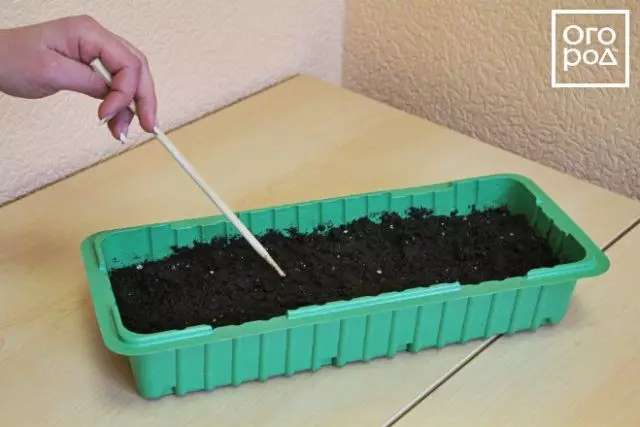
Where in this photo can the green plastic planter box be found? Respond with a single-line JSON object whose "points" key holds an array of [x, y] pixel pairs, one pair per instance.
{"points": [[204, 358]]}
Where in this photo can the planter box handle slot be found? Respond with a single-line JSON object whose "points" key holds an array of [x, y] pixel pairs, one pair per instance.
{"points": [[380, 300]]}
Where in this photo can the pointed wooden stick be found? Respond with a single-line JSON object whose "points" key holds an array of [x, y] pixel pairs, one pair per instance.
{"points": [[97, 65]]}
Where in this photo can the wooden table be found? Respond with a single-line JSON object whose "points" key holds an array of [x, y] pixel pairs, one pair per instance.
{"points": [[300, 140]]}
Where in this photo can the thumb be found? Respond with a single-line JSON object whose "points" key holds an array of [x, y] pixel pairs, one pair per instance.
{"points": [[77, 77]]}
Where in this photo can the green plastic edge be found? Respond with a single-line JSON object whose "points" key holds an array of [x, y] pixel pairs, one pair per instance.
{"points": [[121, 341]]}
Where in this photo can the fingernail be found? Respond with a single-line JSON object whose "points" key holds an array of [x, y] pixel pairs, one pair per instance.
{"points": [[105, 119], [123, 136]]}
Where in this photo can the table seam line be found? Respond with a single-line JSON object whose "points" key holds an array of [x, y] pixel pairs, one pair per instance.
{"points": [[629, 228]]}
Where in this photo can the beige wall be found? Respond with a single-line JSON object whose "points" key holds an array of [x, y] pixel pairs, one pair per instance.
{"points": [[204, 54], [482, 67]]}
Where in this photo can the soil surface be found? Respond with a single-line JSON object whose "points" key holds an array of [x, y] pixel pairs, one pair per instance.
{"points": [[224, 282]]}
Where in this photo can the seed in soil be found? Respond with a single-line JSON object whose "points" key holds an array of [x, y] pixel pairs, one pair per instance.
{"points": [[412, 253]]}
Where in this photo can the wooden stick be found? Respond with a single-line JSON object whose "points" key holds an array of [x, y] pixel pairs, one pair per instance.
{"points": [[97, 65]]}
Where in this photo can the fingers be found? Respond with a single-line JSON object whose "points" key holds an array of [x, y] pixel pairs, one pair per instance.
{"points": [[94, 41], [119, 125], [146, 102], [145, 97], [84, 40], [125, 70]]}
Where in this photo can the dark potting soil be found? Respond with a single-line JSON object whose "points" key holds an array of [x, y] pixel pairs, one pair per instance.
{"points": [[224, 282]]}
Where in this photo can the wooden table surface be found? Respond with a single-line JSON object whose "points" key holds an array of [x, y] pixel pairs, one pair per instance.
{"points": [[300, 140]]}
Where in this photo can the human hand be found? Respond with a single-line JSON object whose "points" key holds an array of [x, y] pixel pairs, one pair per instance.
{"points": [[42, 59]]}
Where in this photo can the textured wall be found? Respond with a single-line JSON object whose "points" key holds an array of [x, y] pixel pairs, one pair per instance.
{"points": [[203, 55], [482, 67]]}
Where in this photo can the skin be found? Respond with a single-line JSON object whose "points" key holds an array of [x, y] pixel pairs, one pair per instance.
{"points": [[43, 59]]}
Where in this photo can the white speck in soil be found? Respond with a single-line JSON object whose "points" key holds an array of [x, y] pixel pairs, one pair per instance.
{"points": [[139, 267], [442, 233], [391, 226], [345, 232], [333, 269], [511, 234], [338, 256], [173, 267], [442, 223], [211, 272], [379, 271]]}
